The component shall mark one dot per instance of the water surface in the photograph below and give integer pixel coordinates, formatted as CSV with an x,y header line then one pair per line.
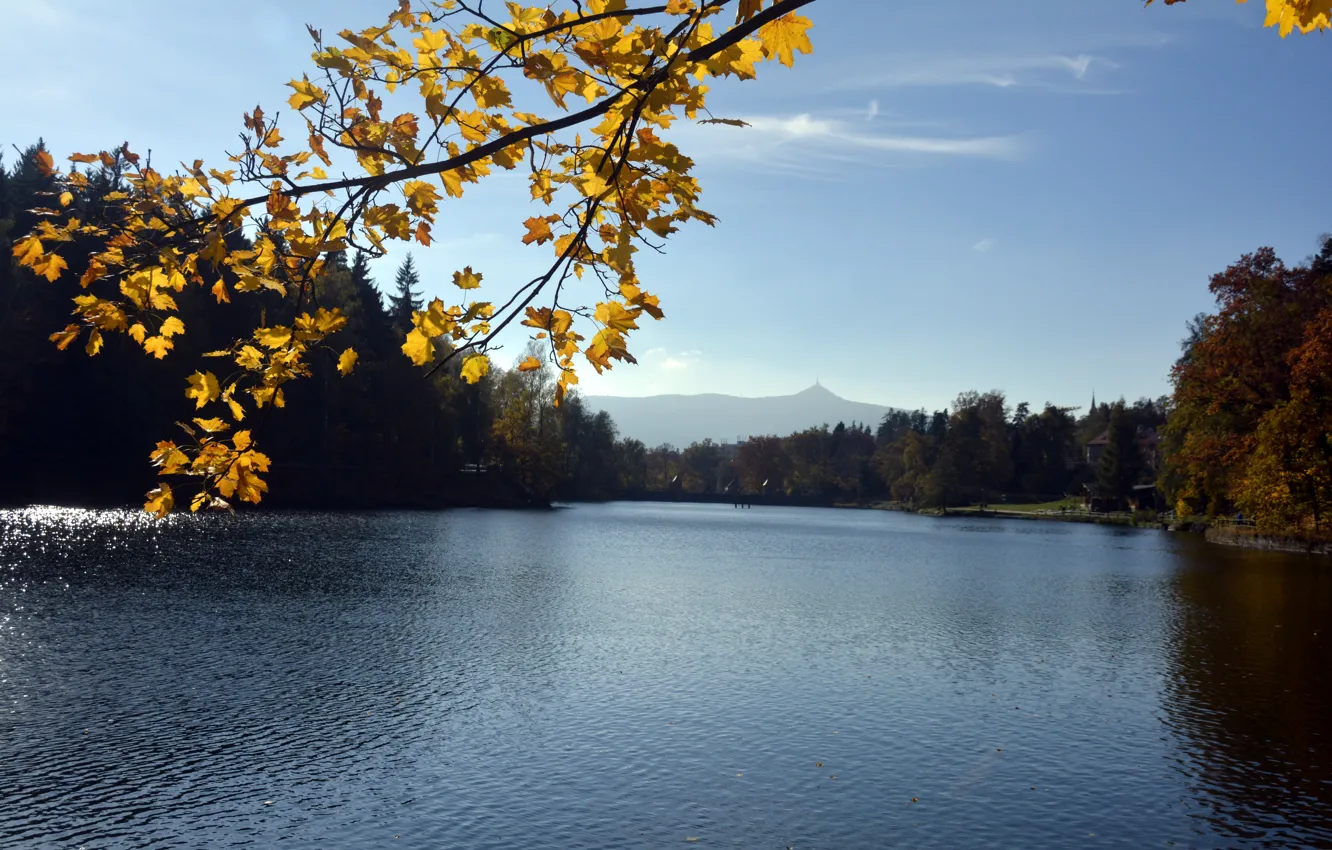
x,y
640,675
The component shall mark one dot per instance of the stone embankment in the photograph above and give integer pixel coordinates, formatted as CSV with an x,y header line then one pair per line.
x,y
1250,539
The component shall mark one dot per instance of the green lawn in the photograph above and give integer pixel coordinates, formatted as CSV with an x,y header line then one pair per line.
x,y
1070,504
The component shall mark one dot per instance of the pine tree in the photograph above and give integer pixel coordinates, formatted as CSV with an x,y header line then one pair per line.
x,y
1121,462
407,298
364,286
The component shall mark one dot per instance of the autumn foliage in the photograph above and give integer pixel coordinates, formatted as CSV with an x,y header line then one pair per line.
x,y
415,111
1251,427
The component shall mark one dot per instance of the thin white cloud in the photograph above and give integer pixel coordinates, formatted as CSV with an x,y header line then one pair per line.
x,y
986,245
679,362
873,111
1046,71
831,135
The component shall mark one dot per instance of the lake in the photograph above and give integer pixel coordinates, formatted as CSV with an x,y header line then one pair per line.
x,y
655,675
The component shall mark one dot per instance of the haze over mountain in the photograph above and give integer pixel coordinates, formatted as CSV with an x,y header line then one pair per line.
x,y
684,419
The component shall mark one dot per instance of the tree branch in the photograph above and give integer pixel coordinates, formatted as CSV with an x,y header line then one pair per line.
x,y
732,37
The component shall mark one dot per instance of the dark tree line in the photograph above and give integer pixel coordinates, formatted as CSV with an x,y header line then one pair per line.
x,y
76,429
977,451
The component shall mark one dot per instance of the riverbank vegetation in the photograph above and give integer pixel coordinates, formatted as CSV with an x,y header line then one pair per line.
x,y
1246,430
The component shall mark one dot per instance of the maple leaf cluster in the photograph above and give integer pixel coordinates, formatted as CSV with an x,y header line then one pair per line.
x,y
416,110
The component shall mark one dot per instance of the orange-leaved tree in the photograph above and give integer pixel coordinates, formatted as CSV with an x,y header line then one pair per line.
x,y
410,113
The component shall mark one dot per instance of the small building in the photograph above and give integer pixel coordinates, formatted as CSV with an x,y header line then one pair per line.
x,y
1096,448
1147,497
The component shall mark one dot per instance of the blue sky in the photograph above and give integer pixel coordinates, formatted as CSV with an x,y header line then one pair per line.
x,y
947,195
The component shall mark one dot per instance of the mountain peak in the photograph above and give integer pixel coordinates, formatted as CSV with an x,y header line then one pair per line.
x,y
816,391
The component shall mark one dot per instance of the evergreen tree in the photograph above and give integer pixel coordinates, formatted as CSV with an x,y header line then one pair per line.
x,y
1121,462
407,296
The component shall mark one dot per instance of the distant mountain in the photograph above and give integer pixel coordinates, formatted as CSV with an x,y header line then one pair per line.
x,y
684,419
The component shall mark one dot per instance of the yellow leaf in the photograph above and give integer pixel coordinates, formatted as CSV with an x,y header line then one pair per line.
x,y
203,388
475,367
66,198
63,339
538,231
28,250
50,266
591,185
786,35
466,279
422,198
419,347
45,164
250,358
237,412
213,425
158,346
661,225
614,315
94,342
170,458
220,292
160,501
274,337
171,327
306,94
531,364
241,440
347,361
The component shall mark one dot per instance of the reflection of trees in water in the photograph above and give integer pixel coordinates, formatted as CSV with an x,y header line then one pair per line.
x,y
1250,694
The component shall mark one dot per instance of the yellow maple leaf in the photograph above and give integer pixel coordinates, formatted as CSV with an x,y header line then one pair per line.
x,y
422,198
531,364
158,346
467,279
250,358
213,425
169,457
419,347
94,342
538,231
786,35
274,337
614,315
171,327
66,198
63,339
306,94
347,361
203,388
50,266
241,441
237,411
160,501
28,250
44,163
475,367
